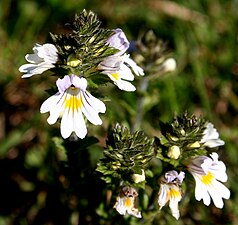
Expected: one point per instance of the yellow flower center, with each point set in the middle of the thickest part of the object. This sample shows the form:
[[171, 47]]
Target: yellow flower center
[[207, 179], [73, 102], [173, 193], [128, 202]]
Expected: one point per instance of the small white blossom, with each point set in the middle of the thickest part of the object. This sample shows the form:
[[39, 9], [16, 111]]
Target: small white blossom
[[170, 191], [119, 66], [211, 137], [207, 173], [125, 202], [44, 58], [71, 102]]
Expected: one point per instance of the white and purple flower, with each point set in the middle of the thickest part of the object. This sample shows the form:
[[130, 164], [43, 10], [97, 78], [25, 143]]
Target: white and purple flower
[[211, 137], [170, 191], [44, 58], [119, 66], [71, 102], [125, 202], [208, 172]]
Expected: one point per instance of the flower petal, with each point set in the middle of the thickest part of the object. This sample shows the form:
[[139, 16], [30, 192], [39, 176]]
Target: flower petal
[[33, 58], [119, 206], [78, 82], [79, 125], [50, 105], [173, 205], [137, 69], [67, 123], [48, 52], [163, 195], [211, 137], [125, 85], [119, 41], [110, 64], [218, 195], [89, 111], [63, 84], [125, 73], [201, 192], [97, 104]]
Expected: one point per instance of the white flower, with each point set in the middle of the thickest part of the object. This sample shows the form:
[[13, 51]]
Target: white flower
[[44, 58], [125, 202], [119, 66], [211, 137], [71, 102], [207, 173], [170, 191]]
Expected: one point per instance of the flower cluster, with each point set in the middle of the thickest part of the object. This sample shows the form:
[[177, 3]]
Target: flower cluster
[[79, 58], [90, 56], [183, 146]]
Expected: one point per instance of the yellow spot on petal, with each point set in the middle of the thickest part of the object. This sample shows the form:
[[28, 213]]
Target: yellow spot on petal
[[74, 103], [115, 75], [207, 179], [128, 202], [173, 193]]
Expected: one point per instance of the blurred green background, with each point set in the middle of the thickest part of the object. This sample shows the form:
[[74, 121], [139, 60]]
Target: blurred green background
[[201, 35]]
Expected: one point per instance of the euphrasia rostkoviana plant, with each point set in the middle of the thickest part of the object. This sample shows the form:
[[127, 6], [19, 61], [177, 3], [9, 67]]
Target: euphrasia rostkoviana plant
[[90, 56]]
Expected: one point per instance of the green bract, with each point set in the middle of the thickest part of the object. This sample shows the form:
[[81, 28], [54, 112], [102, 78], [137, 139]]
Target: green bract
[[180, 139], [84, 47]]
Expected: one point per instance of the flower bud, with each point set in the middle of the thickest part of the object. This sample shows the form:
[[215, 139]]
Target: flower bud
[[137, 178], [174, 152], [74, 62], [169, 64], [194, 145]]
